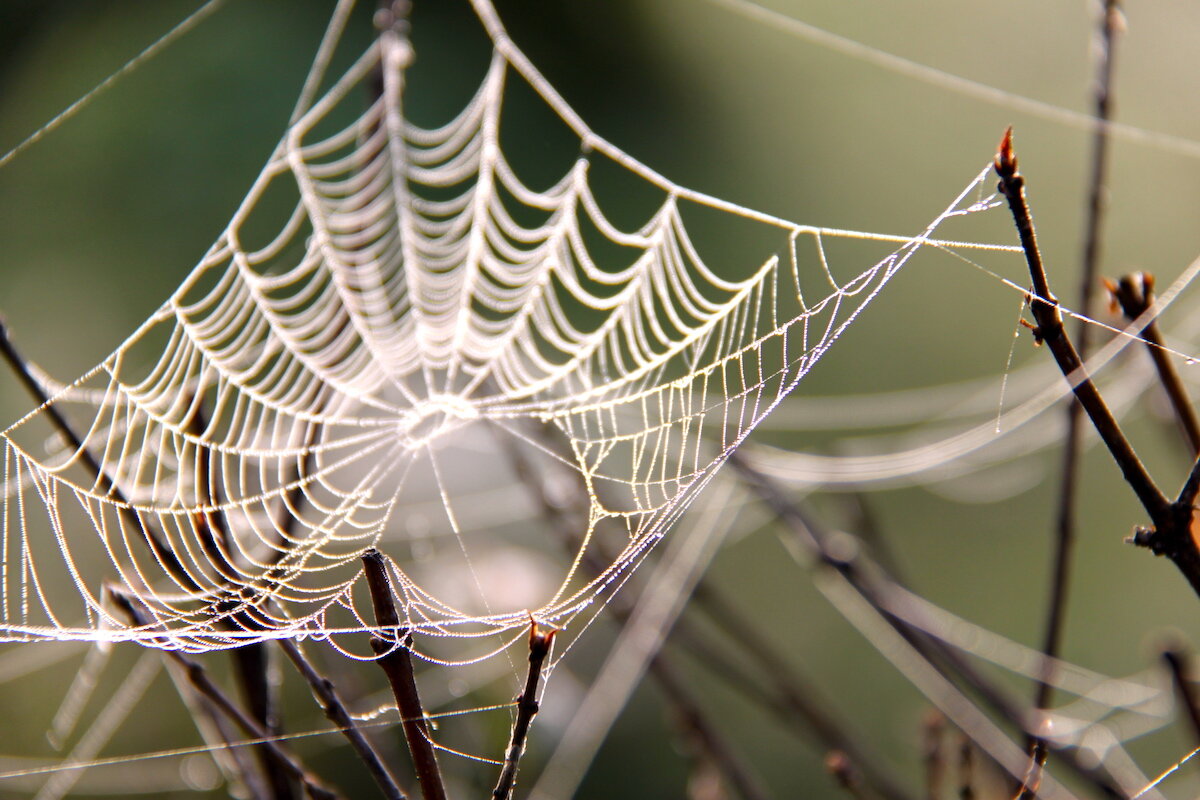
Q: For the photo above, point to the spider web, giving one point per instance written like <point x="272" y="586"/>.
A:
<point x="394" y="316"/>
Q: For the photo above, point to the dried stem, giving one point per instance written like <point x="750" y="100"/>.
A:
<point x="1135" y="294"/>
<point x="396" y="663"/>
<point x="527" y="708"/>
<point x="1171" y="532"/>
<point x="198" y="677"/>
<point x="701" y="730"/>
<point x="1065" y="517"/>
<point x="104" y="483"/>
<point x="335" y="711"/>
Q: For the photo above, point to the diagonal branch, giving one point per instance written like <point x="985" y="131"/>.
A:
<point x="336" y="711"/>
<point x="1170" y="535"/>
<point x="198" y="677"/>
<point x="1050" y="330"/>
<point x="105" y="484"/>
<point x="1135" y="294"/>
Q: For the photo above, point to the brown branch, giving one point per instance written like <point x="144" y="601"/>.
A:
<point x="527" y="707"/>
<point x="104" y="482"/>
<point x="198" y="677"/>
<point x="1135" y="294"/>
<point x="1170" y="535"/>
<point x="1066" y="519"/>
<point x="335" y="711"/>
<point x="1050" y="330"/>
<point x="1177" y="663"/>
<point x="394" y="659"/>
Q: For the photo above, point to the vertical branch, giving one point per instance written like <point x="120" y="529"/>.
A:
<point x="396" y="663"/>
<point x="527" y="707"/>
<point x="1069" y="489"/>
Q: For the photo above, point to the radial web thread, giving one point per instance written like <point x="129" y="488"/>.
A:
<point x="394" y="317"/>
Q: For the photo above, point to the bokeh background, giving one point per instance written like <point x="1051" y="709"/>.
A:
<point x="105" y="216"/>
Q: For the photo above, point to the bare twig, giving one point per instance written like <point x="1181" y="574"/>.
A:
<point x="1072" y="447"/>
<point x="1050" y="330"/>
<point x="336" y="711"/>
<point x="1177" y="663"/>
<point x="396" y="663"/>
<point x="104" y="482"/>
<point x="1170" y="535"/>
<point x="198" y="677"/>
<point x="1135" y="294"/>
<point x="527" y="707"/>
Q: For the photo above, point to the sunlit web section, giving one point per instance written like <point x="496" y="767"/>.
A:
<point x="394" y="320"/>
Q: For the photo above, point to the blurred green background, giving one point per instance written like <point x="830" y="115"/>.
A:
<point x="102" y="219"/>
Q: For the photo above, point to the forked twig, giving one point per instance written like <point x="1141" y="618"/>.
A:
<point x="527" y="706"/>
<point x="1170" y="535"/>
<point x="396" y="663"/>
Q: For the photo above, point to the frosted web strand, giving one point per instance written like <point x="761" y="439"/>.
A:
<point x="405" y="295"/>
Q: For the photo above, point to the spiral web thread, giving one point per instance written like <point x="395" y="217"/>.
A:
<point x="415" y="311"/>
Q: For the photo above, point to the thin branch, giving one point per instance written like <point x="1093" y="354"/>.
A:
<point x="198" y="677"/>
<point x="703" y="732"/>
<point x="1170" y="535"/>
<point x="1177" y="663"/>
<point x="336" y="711"/>
<point x="396" y="663"/>
<point x="1135" y="294"/>
<point x="527" y="707"/>
<point x="104" y="482"/>
<point x="1066" y="522"/>
<point x="1050" y="330"/>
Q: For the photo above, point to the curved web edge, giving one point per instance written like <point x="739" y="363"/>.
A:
<point x="302" y="381"/>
